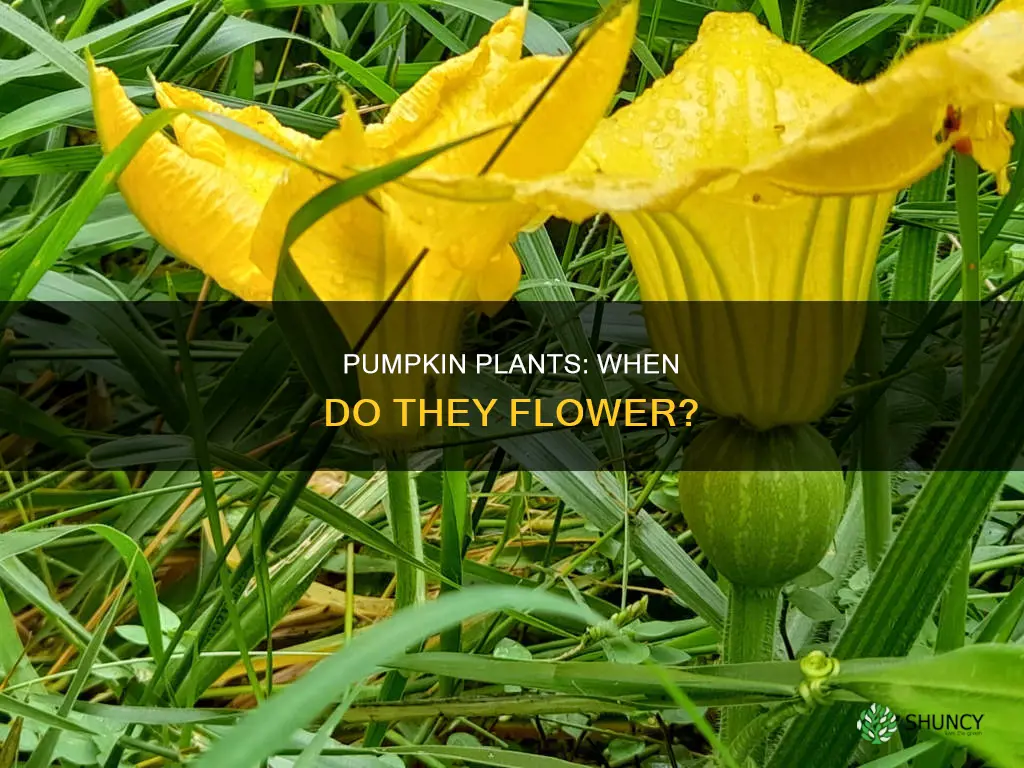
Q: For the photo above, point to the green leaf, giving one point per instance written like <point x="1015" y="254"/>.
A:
<point x="499" y="758"/>
<point x="17" y="542"/>
<point x="999" y="625"/>
<point x="49" y="111"/>
<point x="642" y="684"/>
<point x="540" y="37"/>
<point x="986" y="681"/>
<point x="98" y="39"/>
<point x="43" y="43"/>
<point x="9" y="750"/>
<point x="246" y="386"/>
<point x="361" y="75"/>
<point x="17" y="708"/>
<point x="20" y="417"/>
<point x="43" y="752"/>
<point x="899" y="759"/>
<point x="13" y="665"/>
<point x="813" y="605"/>
<point x="856" y="30"/>
<point x="141" y="357"/>
<point x="62" y="160"/>
<point x="555" y="300"/>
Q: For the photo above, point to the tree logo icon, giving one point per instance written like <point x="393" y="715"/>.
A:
<point x="877" y="724"/>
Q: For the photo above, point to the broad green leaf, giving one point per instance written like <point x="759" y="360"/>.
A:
<point x="986" y="681"/>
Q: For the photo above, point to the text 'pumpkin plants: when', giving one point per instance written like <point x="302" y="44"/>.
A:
<point x="222" y="202"/>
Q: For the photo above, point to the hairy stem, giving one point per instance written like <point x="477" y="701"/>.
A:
<point x="749" y="636"/>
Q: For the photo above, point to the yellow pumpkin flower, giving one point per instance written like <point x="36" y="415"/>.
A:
<point x="222" y="203"/>
<point x="754" y="173"/>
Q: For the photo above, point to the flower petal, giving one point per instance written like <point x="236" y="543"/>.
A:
<point x="575" y="195"/>
<point x="491" y="86"/>
<point x="360" y="251"/>
<point x="894" y="130"/>
<point x="736" y="95"/>
<point x="194" y="208"/>
<point x="254" y="165"/>
<point x="717" y="248"/>
<point x="341" y="255"/>
<point x="723" y="268"/>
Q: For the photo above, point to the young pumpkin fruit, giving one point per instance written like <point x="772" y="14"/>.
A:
<point x="763" y="506"/>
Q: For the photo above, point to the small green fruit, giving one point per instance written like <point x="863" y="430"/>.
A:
<point x="763" y="506"/>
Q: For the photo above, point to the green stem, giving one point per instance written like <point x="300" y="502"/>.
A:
<point x="404" y="516"/>
<point x="953" y="613"/>
<point x="454" y="530"/>
<point x="874" y="438"/>
<point x="761" y="727"/>
<point x="749" y="636"/>
<point x="970" y="266"/>
<point x="912" y="31"/>
<point x="799" y="9"/>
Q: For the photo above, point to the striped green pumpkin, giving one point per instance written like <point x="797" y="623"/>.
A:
<point x="763" y="506"/>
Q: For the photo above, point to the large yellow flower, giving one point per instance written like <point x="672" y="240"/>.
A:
<point x="204" y="197"/>
<point x="754" y="173"/>
<point x="222" y="203"/>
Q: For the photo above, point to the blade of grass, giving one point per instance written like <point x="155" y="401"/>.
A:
<point x="43" y="43"/>
<point x="455" y="531"/>
<point x="209" y="491"/>
<point x="43" y="753"/>
<point x="270" y="727"/>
